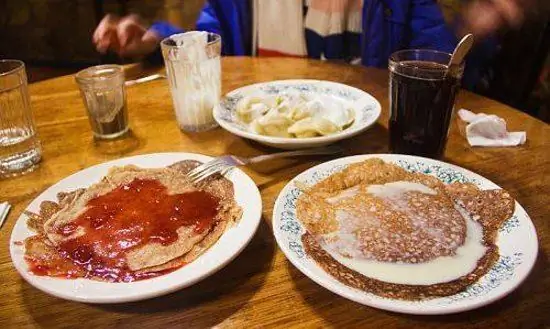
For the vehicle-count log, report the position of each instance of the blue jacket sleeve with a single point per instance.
(165, 29)
(230, 19)
(208, 20)
(428, 27)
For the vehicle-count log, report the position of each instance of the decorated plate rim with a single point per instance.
(515, 268)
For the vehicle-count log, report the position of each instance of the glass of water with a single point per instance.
(104, 96)
(20, 148)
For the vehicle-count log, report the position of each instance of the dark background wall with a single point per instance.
(58, 32)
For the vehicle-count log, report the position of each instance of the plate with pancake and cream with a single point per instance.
(405, 234)
(133, 228)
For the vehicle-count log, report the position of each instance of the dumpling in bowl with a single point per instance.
(313, 126)
(327, 108)
(272, 123)
(294, 114)
(250, 108)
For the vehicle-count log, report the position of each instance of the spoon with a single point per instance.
(461, 50)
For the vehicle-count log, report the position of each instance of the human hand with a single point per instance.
(127, 36)
(484, 17)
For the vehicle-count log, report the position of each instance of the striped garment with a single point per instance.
(365, 31)
(315, 28)
(362, 30)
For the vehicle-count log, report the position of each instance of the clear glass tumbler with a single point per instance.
(20, 148)
(422, 97)
(193, 68)
(104, 96)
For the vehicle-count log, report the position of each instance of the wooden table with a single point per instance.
(260, 288)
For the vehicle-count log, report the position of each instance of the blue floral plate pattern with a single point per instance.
(517, 241)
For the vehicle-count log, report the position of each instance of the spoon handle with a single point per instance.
(462, 49)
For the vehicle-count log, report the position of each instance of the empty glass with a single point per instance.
(104, 96)
(193, 68)
(20, 149)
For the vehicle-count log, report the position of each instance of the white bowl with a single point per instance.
(367, 110)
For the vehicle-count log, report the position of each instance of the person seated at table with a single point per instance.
(338, 29)
(358, 31)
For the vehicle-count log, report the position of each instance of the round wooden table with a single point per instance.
(260, 288)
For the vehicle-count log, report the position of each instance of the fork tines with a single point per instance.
(208, 169)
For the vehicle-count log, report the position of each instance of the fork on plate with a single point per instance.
(224, 164)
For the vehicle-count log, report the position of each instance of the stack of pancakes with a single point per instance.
(142, 259)
(380, 213)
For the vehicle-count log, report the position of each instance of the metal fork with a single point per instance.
(224, 164)
(4, 210)
(145, 79)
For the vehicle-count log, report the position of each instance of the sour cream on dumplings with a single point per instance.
(295, 114)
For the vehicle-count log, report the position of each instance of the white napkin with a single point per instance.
(489, 130)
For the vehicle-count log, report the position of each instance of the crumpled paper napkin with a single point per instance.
(489, 130)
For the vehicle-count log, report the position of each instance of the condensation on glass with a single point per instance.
(20, 149)
(193, 68)
(104, 95)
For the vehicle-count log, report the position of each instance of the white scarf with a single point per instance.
(278, 26)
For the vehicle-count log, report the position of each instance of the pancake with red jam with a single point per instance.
(134, 224)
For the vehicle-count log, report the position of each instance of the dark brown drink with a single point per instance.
(111, 126)
(422, 96)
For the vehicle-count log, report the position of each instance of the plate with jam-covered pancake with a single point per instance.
(405, 234)
(133, 228)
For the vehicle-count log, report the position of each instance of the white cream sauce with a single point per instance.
(441, 269)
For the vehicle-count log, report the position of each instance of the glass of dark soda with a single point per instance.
(422, 96)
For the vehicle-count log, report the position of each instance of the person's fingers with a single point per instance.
(481, 18)
(95, 35)
(114, 43)
(102, 46)
(150, 41)
(151, 38)
(100, 30)
(141, 47)
(108, 23)
(105, 37)
(510, 11)
(129, 29)
(108, 41)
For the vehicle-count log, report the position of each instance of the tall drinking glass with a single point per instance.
(20, 148)
(422, 96)
(193, 68)
(104, 96)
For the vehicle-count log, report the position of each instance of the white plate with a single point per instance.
(222, 252)
(367, 110)
(517, 242)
